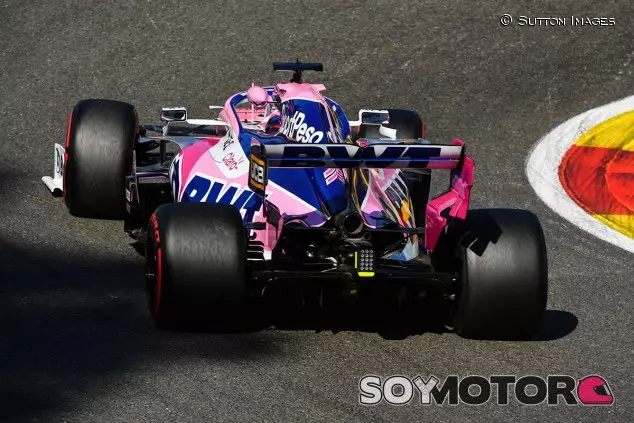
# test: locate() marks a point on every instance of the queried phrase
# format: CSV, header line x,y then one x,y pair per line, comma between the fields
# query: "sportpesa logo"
x,y
295,128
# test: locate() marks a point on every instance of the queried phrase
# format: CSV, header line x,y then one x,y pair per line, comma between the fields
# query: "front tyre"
x,y
504,277
196,261
99,145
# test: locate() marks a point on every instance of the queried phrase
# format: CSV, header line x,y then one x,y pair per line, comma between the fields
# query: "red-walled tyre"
x,y
504,276
99,146
196,267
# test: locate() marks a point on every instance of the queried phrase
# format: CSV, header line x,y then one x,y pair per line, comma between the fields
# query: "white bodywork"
x,y
361,112
383,130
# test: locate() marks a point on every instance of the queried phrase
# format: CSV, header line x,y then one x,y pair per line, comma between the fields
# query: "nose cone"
x,y
257,95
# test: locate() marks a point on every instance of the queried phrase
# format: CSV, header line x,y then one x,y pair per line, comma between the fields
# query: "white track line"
x,y
545,158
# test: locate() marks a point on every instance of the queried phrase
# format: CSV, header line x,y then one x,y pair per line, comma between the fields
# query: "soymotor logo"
x,y
478,390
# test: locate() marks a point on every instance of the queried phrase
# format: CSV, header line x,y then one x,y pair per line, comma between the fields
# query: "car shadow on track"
x,y
400,325
389,324
392,324
380,316
556,324
73,327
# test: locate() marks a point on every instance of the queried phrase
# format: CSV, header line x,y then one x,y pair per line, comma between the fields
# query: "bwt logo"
x,y
204,188
347,155
477,390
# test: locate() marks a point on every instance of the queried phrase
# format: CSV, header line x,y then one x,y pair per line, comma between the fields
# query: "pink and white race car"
x,y
280,190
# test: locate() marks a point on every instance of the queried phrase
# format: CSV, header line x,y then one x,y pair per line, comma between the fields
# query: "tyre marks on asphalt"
x,y
584,170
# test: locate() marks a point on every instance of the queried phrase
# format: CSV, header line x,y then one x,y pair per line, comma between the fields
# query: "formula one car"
x,y
282,190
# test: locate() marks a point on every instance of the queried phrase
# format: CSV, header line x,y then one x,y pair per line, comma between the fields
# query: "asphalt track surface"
x,y
76,340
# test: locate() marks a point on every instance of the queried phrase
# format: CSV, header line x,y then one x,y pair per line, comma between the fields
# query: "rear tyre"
x,y
504,278
196,261
99,146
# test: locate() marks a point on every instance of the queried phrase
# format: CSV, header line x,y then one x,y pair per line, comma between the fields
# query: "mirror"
x,y
174,114
377,117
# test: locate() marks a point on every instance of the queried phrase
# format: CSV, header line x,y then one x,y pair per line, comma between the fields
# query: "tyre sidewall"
x,y
504,282
202,250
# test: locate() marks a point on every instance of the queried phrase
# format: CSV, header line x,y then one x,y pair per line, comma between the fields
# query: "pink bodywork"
x,y
457,198
225,161
228,164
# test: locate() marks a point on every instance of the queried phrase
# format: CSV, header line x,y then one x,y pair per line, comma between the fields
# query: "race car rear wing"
x,y
367,153
378,153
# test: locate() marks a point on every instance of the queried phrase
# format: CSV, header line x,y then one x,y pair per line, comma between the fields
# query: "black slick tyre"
x,y
196,267
99,146
504,275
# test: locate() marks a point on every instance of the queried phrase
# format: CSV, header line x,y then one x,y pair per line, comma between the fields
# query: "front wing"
x,y
56,183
